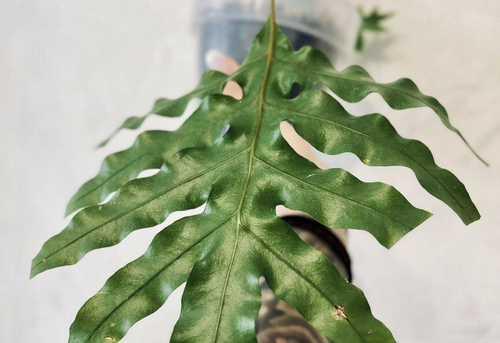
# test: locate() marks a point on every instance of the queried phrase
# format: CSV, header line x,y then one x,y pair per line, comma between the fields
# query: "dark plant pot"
x,y
323,239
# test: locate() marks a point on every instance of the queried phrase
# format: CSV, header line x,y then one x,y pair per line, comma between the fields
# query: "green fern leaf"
x,y
230,155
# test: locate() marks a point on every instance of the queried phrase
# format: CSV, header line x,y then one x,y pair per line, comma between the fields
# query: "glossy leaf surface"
x,y
230,154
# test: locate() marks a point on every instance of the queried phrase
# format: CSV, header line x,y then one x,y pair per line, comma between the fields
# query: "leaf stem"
x,y
273,11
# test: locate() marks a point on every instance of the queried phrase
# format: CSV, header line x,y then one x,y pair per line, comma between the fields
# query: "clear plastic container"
x,y
229,26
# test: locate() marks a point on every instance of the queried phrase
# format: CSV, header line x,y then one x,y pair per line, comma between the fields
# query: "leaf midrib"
x,y
251,161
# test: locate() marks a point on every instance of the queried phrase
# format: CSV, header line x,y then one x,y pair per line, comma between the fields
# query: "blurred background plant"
x,y
371,22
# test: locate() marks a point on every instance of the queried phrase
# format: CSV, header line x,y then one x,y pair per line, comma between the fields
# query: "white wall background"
x,y
70,71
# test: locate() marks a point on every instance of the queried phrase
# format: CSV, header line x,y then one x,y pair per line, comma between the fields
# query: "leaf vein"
x,y
331,192
389,146
302,276
128,211
161,270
